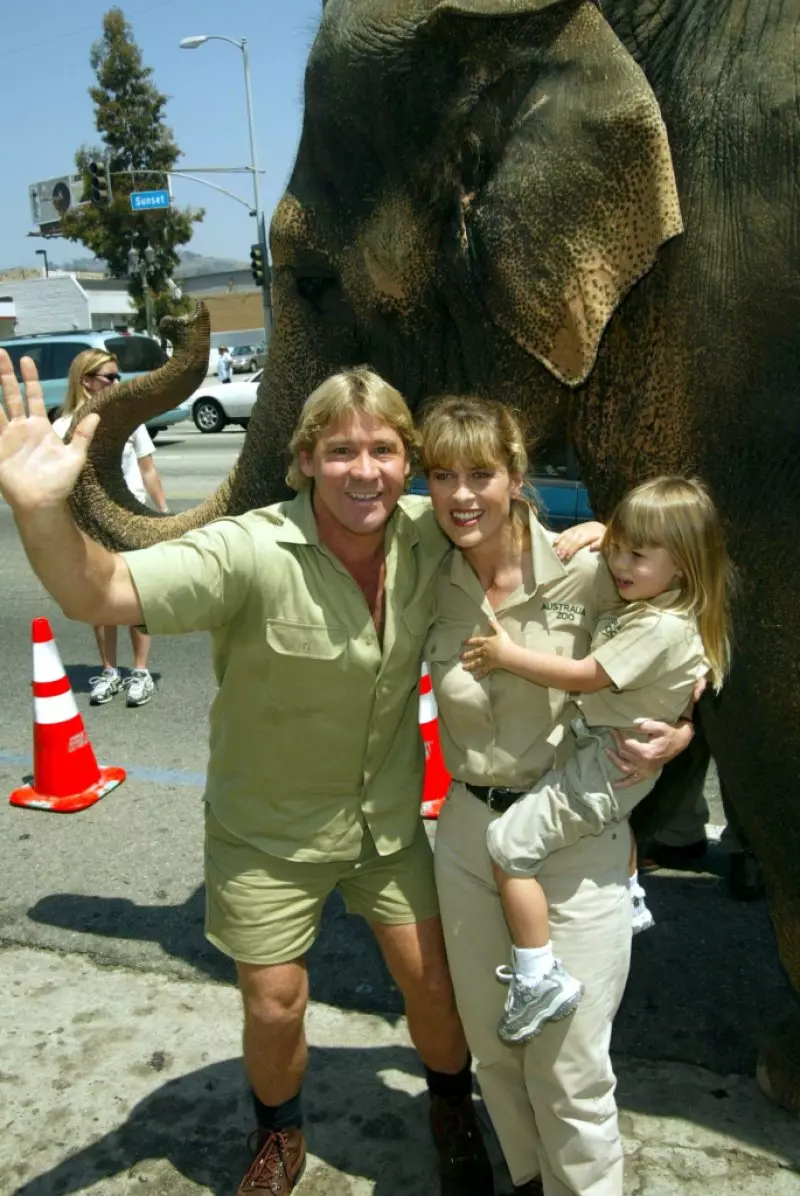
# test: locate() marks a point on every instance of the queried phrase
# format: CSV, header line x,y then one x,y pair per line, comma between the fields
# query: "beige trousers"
x,y
552,1101
566,804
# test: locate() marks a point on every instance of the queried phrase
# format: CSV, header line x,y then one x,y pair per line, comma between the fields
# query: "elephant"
x,y
591,212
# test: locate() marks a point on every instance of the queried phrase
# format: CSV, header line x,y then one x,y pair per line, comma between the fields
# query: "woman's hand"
x,y
484,653
639,759
583,535
37,471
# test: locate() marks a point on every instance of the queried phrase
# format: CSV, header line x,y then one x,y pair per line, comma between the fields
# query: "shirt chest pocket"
x,y
294,643
446,643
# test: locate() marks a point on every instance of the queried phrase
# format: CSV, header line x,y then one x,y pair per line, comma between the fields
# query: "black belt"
x,y
495,796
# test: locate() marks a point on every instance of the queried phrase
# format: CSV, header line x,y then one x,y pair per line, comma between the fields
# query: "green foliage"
x,y
129,113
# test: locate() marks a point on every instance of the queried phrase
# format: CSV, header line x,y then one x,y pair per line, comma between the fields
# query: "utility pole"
x,y
139,264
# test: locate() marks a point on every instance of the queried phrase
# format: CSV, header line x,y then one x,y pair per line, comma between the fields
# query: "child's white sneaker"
x,y
530,1006
641,917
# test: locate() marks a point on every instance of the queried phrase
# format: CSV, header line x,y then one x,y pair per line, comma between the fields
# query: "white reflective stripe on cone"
x,y
47,664
428,712
425,669
58,709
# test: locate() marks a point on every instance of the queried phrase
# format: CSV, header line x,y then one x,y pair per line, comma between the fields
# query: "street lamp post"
x,y
43,253
192,43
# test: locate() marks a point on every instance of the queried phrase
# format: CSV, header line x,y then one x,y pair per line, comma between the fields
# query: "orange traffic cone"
x,y
437,778
66,777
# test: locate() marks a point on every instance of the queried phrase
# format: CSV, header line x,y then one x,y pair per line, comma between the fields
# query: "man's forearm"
x,y
75,570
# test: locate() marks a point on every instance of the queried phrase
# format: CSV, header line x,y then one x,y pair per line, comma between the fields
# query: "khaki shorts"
x,y
261,909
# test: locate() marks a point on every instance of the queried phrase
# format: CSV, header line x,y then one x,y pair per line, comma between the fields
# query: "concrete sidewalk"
x,y
115,1081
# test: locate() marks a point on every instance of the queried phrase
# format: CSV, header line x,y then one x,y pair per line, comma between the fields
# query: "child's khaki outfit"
x,y
653,656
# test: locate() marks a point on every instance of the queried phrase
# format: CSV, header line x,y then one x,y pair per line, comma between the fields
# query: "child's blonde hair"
x,y
679,515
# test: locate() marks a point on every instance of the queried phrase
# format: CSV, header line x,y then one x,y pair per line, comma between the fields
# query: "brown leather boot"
x,y
278,1164
464,1166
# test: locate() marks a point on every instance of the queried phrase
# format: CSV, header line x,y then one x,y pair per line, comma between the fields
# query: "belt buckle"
x,y
490,797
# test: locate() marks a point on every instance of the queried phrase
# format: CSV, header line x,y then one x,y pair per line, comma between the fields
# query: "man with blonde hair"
x,y
318,609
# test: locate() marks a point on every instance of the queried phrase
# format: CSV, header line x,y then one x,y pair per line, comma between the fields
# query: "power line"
x,y
80,32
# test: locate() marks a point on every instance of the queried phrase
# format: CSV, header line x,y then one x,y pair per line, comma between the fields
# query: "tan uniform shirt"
x,y
314,730
652,655
503,730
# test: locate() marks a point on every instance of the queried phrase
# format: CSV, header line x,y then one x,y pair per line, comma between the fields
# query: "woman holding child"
x,y
552,1099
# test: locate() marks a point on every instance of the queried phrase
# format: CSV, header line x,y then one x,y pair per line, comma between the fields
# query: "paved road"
x,y
121,885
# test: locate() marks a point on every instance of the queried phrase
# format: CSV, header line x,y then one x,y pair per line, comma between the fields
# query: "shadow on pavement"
x,y
355,1121
80,675
705,984
345,966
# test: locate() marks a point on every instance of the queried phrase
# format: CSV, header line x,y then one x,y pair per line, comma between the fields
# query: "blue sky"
x,y
47,113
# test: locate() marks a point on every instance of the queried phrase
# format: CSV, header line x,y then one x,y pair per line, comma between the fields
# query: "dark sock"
x,y
449,1087
278,1117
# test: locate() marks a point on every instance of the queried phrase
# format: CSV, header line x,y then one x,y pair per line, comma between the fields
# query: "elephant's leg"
x,y
752,730
680,784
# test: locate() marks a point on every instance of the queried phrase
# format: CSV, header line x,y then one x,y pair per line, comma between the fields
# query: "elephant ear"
x,y
576,206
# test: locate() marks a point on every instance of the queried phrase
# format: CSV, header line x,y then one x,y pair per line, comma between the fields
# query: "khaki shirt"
x,y
503,730
653,656
314,729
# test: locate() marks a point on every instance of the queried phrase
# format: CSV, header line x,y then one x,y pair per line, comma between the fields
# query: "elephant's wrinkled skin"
x,y
482,199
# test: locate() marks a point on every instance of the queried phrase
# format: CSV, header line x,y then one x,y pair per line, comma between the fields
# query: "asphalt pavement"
x,y
119,1048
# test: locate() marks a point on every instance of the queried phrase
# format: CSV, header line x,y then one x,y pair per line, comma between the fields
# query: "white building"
x,y
62,303
8,315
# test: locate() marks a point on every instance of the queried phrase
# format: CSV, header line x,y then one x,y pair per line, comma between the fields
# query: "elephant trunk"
x,y
102,504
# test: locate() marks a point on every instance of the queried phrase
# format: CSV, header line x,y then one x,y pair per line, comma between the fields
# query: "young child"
x,y
665,549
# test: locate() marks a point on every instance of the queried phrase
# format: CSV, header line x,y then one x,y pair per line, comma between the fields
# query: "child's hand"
x,y
485,653
582,535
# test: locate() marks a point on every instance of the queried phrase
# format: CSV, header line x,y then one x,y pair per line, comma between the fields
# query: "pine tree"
x,y
129,118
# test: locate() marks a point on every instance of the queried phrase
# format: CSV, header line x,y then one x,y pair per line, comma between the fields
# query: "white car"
x,y
216,404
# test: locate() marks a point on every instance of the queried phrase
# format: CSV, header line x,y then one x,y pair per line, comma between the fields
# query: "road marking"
x,y
153,776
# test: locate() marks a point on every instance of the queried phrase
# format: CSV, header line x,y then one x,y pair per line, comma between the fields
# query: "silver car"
x,y
215,405
246,359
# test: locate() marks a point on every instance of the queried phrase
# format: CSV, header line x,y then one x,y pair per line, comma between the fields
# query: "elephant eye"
x,y
313,287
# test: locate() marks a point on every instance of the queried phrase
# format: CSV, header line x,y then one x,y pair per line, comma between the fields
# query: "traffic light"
x,y
99,189
257,265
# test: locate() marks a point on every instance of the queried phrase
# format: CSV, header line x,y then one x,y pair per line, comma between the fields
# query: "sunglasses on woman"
x,y
105,377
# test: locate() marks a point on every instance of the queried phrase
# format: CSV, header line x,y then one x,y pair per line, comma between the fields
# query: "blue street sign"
x,y
144,201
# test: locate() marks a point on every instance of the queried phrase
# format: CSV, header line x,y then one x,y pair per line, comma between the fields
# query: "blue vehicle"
x,y
54,352
560,496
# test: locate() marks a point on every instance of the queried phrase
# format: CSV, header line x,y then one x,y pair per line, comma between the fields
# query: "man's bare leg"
x,y
274,1041
275,1058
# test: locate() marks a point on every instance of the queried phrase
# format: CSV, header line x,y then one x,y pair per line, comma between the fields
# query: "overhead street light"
x,y
192,43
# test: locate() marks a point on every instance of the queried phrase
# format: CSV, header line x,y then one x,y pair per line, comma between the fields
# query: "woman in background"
x,y
91,372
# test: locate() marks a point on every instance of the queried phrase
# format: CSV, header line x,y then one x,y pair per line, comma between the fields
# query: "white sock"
x,y
633,881
532,963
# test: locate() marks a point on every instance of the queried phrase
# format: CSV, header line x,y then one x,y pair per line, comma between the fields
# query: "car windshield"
x,y
242,350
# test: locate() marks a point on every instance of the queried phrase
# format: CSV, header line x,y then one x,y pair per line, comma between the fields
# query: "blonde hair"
x,y
464,428
87,362
678,514
345,394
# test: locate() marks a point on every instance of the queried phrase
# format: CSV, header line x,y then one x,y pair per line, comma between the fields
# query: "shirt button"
x,y
306,646
369,639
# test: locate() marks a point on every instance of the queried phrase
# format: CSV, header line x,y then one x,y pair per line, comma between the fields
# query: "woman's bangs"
x,y
464,442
